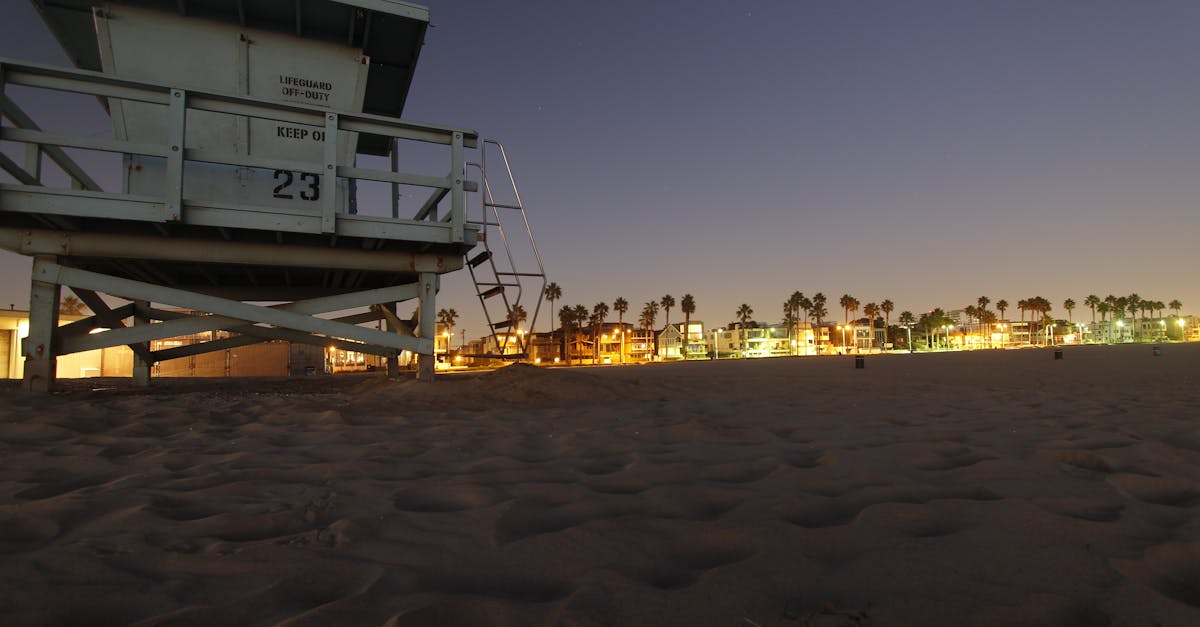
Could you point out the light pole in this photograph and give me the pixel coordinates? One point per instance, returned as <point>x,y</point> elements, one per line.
<point>716,351</point>
<point>843,330</point>
<point>908,328</point>
<point>1182,329</point>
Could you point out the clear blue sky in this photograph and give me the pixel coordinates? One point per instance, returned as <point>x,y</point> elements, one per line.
<point>926,152</point>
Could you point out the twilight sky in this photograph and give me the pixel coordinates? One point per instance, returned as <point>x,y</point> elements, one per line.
<point>927,152</point>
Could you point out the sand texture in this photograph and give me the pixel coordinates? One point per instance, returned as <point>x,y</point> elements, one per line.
<point>985,488</point>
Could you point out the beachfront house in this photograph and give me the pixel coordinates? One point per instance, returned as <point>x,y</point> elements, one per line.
<point>753,339</point>
<point>673,345</point>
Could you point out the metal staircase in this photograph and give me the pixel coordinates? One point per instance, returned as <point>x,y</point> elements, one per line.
<point>507,272</point>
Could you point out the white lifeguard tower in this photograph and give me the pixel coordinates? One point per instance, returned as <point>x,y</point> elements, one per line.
<point>242,127</point>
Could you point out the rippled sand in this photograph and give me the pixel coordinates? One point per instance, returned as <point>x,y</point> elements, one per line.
<point>986,488</point>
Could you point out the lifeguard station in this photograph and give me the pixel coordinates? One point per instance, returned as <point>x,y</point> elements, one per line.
<point>246,130</point>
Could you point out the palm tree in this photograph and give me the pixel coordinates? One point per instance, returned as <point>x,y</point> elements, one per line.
<point>1175,306</point>
<point>649,315</point>
<point>566,320</point>
<point>744,312</point>
<point>667,303</point>
<point>870,311</point>
<point>848,303</point>
<point>1133,303</point>
<point>621,306</point>
<point>448,317</point>
<point>599,315</point>
<point>818,310</point>
<point>1069,305</point>
<point>982,302</point>
<point>1103,308</point>
<point>791,313</point>
<point>580,315</point>
<point>907,320</point>
<point>688,306</point>
<point>1092,302</point>
<point>887,307</point>
<point>71,306</point>
<point>552,293</point>
<point>1039,305</point>
<point>818,304</point>
<point>743,315</point>
<point>1002,306</point>
<point>517,316</point>
<point>1023,305</point>
<point>790,321</point>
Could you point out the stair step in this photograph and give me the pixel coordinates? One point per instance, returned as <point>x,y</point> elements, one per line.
<point>501,205</point>
<point>503,324</point>
<point>499,289</point>
<point>519,274</point>
<point>480,258</point>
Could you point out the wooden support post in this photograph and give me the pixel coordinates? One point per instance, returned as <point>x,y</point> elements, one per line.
<point>427,325</point>
<point>458,203</point>
<point>41,362</point>
<point>141,365</point>
<point>393,361</point>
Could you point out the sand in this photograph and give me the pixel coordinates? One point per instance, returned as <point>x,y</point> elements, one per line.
<point>985,488</point>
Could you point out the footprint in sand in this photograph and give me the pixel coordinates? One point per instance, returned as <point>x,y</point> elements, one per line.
<point>183,509</point>
<point>496,581</point>
<point>1079,459</point>
<point>950,459</point>
<point>741,472</point>
<point>1175,571</point>
<point>816,512</point>
<point>1157,490</point>
<point>447,498</point>
<point>697,502</point>
<point>604,465</point>
<point>527,518</point>
<point>1095,510</point>
<point>625,483</point>
<point>808,458</point>
<point>21,533</point>
<point>684,560</point>
<point>916,520</point>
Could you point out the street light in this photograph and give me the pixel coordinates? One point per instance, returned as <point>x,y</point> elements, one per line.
<point>1182,329</point>
<point>716,351</point>
<point>843,330</point>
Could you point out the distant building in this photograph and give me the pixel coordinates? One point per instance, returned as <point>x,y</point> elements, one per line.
<point>763,340</point>
<point>672,344</point>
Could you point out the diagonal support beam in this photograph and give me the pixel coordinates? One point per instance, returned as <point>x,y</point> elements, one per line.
<point>180,324</point>
<point>235,311</point>
<point>400,326</point>
<point>83,326</point>
<point>257,335</point>
<point>110,319</point>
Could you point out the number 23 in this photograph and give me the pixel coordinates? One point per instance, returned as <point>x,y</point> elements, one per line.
<point>314,185</point>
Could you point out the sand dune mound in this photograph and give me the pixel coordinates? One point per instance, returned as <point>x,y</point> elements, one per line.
<point>519,384</point>
<point>524,383</point>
